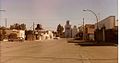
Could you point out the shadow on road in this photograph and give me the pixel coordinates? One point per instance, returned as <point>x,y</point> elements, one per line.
<point>95,44</point>
<point>92,43</point>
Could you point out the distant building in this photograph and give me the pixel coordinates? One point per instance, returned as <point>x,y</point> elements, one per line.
<point>74,31</point>
<point>9,34</point>
<point>43,34</point>
<point>68,33</point>
<point>20,33</point>
<point>87,31</point>
<point>80,28</point>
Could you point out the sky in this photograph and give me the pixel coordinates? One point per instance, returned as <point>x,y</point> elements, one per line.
<point>50,13</point>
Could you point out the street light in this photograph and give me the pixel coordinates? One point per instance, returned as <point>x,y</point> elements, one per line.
<point>2,10</point>
<point>94,14</point>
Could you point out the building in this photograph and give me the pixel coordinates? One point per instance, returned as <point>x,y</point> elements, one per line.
<point>108,23</point>
<point>106,31</point>
<point>74,31</point>
<point>87,31</point>
<point>43,34</point>
<point>68,33</point>
<point>20,33</point>
<point>9,34</point>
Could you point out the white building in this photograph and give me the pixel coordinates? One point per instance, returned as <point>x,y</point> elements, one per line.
<point>68,30</point>
<point>74,31</point>
<point>44,35</point>
<point>20,33</point>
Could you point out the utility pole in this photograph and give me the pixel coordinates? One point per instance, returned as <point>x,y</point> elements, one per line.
<point>33,30</point>
<point>103,33</point>
<point>6,22</point>
<point>33,26</point>
<point>83,29</point>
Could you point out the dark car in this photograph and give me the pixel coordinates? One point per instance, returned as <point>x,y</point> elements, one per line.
<point>16,39</point>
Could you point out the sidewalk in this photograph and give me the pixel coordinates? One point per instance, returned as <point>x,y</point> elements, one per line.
<point>90,43</point>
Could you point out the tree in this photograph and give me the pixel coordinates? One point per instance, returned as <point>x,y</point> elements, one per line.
<point>2,32</point>
<point>12,36</point>
<point>29,35</point>
<point>60,29</point>
<point>39,27</point>
<point>1,36</point>
<point>18,26</point>
<point>23,26</point>
<point>2,28</point>
<point>27,32</point>
<point>12,27</point>
<point>15,26</point>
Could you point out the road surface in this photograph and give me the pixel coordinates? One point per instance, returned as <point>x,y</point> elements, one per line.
<point>56,51</point>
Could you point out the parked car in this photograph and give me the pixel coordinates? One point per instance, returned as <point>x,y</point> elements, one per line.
<point>56,38</point>
<point>16,39</point>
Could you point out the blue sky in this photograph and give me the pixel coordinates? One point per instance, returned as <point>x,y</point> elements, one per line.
<point>50,13</point>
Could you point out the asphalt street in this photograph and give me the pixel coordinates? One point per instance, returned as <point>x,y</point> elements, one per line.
<point>56,51</point>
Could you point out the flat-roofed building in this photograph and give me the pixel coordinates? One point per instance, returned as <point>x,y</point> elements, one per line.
<point>88,31</point>
<point>107,30</point>
<point>108,23</point>
<point>20,33</point>
<point>43,34</point>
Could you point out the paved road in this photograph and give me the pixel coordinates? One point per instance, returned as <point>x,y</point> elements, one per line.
<point>56,51</point>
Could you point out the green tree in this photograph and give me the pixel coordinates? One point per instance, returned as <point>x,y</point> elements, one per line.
<point>2,28</point>
<point>23,26</point>
<point>1,36</point>
<point>18,26</point>
<point>60,29</point>
<point>12,27</point>
<point>12,36</point>
<point>39,27</point>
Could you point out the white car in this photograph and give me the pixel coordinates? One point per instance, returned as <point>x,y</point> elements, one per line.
<point>56,38</point>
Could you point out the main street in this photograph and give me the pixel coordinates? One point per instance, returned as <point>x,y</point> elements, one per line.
<point>56,51</point>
